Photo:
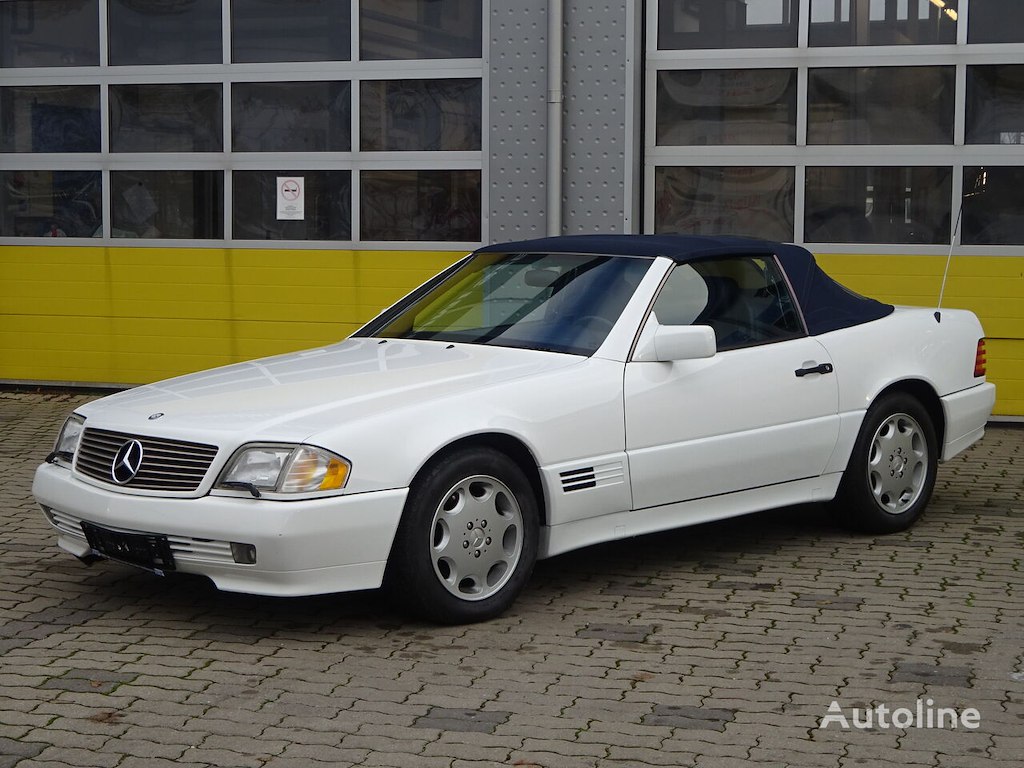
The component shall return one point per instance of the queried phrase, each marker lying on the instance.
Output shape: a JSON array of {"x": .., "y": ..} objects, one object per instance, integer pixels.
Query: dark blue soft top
[{"x": 826, "y": 305}]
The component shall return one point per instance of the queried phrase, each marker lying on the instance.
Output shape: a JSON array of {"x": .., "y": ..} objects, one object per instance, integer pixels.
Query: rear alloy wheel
[
  {"x": 891, "y": 473},
  {"x": 468, "y": 539}
]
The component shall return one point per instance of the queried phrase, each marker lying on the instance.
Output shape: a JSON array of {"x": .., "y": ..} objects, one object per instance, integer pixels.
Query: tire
[
  {"x": 467, "y": 542},
  {"x": 891, "y": 473}
]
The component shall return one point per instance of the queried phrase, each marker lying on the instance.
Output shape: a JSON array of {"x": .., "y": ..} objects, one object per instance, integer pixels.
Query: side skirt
[{"x": 620, "y": 525}]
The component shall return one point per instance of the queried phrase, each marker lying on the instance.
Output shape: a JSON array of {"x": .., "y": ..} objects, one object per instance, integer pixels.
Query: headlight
[
  {"x": 67, "y": 441},
  {"x": 285, "y": 469}
]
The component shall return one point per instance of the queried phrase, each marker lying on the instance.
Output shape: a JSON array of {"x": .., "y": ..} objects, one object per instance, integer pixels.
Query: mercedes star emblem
[{"x": 126, "y": 462}]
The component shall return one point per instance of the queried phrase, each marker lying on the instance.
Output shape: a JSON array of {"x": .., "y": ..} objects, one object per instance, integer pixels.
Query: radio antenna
[
  {"x": 978, "y": 188},
  {"x": 949, "y": 258}
]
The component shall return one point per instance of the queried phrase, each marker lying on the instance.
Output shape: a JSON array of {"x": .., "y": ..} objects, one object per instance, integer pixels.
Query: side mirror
[{"x": 677, "y": 342}]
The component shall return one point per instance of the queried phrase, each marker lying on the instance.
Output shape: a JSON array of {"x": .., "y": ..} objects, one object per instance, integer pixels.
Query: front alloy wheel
[
  {"x": 467, "y": 542},
  {"x": 477, "y": 537}
]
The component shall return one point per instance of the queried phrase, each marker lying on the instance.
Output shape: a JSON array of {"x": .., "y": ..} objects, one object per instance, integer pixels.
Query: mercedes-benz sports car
[{"x": 534, "y": 398}]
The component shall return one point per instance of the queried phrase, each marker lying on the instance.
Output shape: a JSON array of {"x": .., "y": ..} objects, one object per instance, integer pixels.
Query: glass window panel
[
  {"x": 877, "y": 205},
  {"x": 746, "y": 301},
  {"x": 880, "y": 105},
  {"x": 166, "y": 118},
  {"x": 692, "y": 24},
  {"x": 49, "y": 33},
  {"x": 313, "y": 116},
  {"x": 420, "y": 205},
  {"x": 877, "y": 22},
  {"x": 995, "y": 104},
  {"x": 167, "y": 204},
  {"x": 993, "y": 203},
  {"x": 285, "y": 30},
  {"x": 754, "y": 201},
  {"x": 562, "y": 302},
  {"x": 50, "y": 204},
  {"x": 327, "y": 204},
  {"x": 424, "y": 115},
  {"x": 164, "y": 32},
  {"x": 50, "y": 118},
  {"x": 726, "y": 106},
  {"x": 406, "y": 29},
  {"x": 996, "y": 21}
]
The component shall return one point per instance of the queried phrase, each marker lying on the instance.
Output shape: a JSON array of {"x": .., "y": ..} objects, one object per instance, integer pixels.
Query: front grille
[{"x": 167, "y": 465}]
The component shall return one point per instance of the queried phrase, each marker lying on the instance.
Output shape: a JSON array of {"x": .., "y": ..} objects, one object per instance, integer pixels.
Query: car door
[{"x": 763, "y": 410}]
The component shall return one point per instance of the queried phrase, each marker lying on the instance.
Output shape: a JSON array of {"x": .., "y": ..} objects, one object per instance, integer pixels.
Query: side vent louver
[
  {"x": 578, "y": 479},
  {"x": 591, "y": 477}
]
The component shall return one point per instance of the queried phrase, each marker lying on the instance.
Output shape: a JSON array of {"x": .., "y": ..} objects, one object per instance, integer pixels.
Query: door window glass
[
  {"x": 49, "y": 33},
  {"x": 420, "y": 115},
  {"x": 993, "y": 205},
  {"x": 50, "y": 118},
  {"x": 995, "y": 104},
  {"x": 439, "y": 29},
  {"x": 878, "y": 22},
  {"x": 166, "y": 118},
  {"x": 744, "y": 299},
  {"x": 996, "y": 21},
  {"x": 180, "y": 205},
  {"x": 880, "y": 105},
  {"x": 753, "y": 201},
  {"x": 691, "y": 24},
  {"x": 285, "y": 30},
  {"x": 291, "y": 117},
  {"x": 420, "y": 205},
  {"x": 326, "y": 206},
  {"x": 161, "y": 32},
  {"x": 50, "y": 204},
  {"x": 856, "y": 204},
  {"x": 697, "y": 107}
]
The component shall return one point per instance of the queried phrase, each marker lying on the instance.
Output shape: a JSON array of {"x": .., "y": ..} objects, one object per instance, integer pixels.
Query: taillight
[{"x": 979, "y": 359}]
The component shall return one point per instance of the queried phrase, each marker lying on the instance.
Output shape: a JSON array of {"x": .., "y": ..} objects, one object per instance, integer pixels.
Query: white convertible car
[{"x": 534, "y": 398}]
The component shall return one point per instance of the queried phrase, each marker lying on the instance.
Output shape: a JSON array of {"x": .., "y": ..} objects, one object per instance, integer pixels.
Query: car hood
[{"x": 293, "y": 396}]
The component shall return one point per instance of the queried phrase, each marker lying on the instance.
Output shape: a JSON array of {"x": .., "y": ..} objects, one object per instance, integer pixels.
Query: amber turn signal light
[{"x": 979, "y": 360}]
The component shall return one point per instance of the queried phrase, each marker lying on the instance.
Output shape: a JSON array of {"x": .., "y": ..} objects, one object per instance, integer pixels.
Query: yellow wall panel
[
  {"x": 65, "y": 306},
  {"x": 130, "y": 315},
  {"x": 306, "y": 313},
  {"x": 318, "y": 333}
]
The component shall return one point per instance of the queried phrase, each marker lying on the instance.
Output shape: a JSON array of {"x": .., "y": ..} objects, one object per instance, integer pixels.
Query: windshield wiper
[{"x": 243, "y": 486}]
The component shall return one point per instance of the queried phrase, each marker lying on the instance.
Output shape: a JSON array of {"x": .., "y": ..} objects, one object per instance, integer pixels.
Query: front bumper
[{"x": 309, "y": 547}]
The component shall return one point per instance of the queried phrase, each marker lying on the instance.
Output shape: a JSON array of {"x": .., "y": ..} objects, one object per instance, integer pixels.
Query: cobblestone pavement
[{"x": 717, "y": 646}]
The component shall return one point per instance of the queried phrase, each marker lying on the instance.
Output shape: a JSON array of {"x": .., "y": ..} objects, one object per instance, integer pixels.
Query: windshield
[{"x": 559, "y": 302}]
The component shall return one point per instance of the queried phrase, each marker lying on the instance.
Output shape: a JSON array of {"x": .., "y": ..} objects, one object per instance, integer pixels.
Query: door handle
[{"x": 823, "y": 368}]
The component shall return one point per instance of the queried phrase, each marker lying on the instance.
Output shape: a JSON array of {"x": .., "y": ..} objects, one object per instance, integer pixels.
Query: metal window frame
[
  {"x": 800, "y": 156},
  {"x": 226, "y": 161}
]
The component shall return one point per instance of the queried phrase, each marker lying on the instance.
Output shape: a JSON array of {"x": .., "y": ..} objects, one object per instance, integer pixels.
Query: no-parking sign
[{"x": 291, "y": 198}]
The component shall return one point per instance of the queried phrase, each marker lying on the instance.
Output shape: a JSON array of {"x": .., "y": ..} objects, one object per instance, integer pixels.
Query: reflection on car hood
[{"x": 291, "y": 396}]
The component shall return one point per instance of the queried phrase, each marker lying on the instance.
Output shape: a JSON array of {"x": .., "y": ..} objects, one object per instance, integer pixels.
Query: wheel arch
[
  {"x": 925, "y": 394},
  {"x": 509, "y": 445},
  {"x": 872, "y": 505}
]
